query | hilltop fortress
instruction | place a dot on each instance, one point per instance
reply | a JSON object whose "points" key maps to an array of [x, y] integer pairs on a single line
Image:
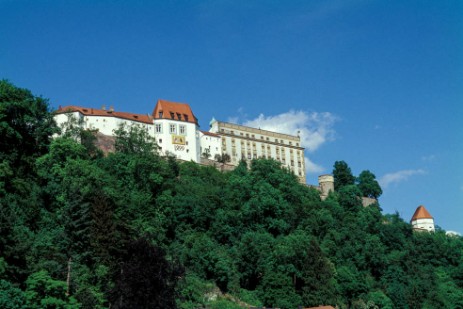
{"points": [[176, 132]]}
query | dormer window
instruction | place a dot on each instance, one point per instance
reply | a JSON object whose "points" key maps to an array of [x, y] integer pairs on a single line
{"points": [[160, 114], [172, 115], [186, 117], [179, 116]]}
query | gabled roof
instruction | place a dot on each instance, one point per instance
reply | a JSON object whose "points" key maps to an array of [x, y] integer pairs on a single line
{"points": [[105, 113], [421, 213], [210, 134], [175, 111]]}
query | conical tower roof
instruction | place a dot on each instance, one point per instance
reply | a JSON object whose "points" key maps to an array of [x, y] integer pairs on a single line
{"points": [[421, 213]]}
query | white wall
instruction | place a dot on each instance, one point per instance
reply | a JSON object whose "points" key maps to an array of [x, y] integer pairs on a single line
{"points": [[211, 143], [426, 224], [184, 145]]}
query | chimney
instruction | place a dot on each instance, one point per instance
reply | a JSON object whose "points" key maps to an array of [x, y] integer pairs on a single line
{"points": [[111, 109], [103, 107]]}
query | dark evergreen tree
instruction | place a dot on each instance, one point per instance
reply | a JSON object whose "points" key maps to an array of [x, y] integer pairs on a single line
{"points": [[146, 278], [342, 175], [318, 277], [103, 229]]}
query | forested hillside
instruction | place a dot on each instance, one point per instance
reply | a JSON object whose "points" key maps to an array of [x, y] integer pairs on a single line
{"points": [[134, 230]]}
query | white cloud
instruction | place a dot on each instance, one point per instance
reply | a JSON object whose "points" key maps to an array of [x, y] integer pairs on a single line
{"points": [[314, 128], [233, 119], [399, 176]]}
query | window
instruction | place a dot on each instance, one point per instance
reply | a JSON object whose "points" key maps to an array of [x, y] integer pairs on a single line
{"points": [[173, 129], [172, 115], [186, 117], [182, 129], [179, 116], [160, 114], [158, 128], [160, 140]]}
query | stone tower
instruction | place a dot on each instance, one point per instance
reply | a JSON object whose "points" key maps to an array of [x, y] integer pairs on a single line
{"points": [[422, 220], [326, 183]]}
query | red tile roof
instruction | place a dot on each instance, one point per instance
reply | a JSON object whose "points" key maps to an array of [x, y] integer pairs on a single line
{"points": [[172, 110], [106, 113], [210, 134], [421, 213]]}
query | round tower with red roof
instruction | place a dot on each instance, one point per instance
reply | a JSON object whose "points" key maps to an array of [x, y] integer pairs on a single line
{"points": [[422, 220]]}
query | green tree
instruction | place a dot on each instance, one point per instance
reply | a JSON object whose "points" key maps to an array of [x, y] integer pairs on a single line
{"points": [[26, 126], [350, 198], [342, 175], [134, 139], [11, 297], [368, 184], [277, 290], [45, 292], [254, 258], [222, 159]]}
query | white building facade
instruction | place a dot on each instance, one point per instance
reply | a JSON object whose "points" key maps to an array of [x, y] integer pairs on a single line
{"points": [[211, 144], [241, 142], [176, 130]]}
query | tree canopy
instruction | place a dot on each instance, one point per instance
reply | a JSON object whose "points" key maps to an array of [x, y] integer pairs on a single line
{"points": [[342, 175], [134, 230]]}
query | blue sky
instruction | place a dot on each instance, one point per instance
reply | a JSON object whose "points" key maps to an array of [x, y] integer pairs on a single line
{"points": [[378, 84]]}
